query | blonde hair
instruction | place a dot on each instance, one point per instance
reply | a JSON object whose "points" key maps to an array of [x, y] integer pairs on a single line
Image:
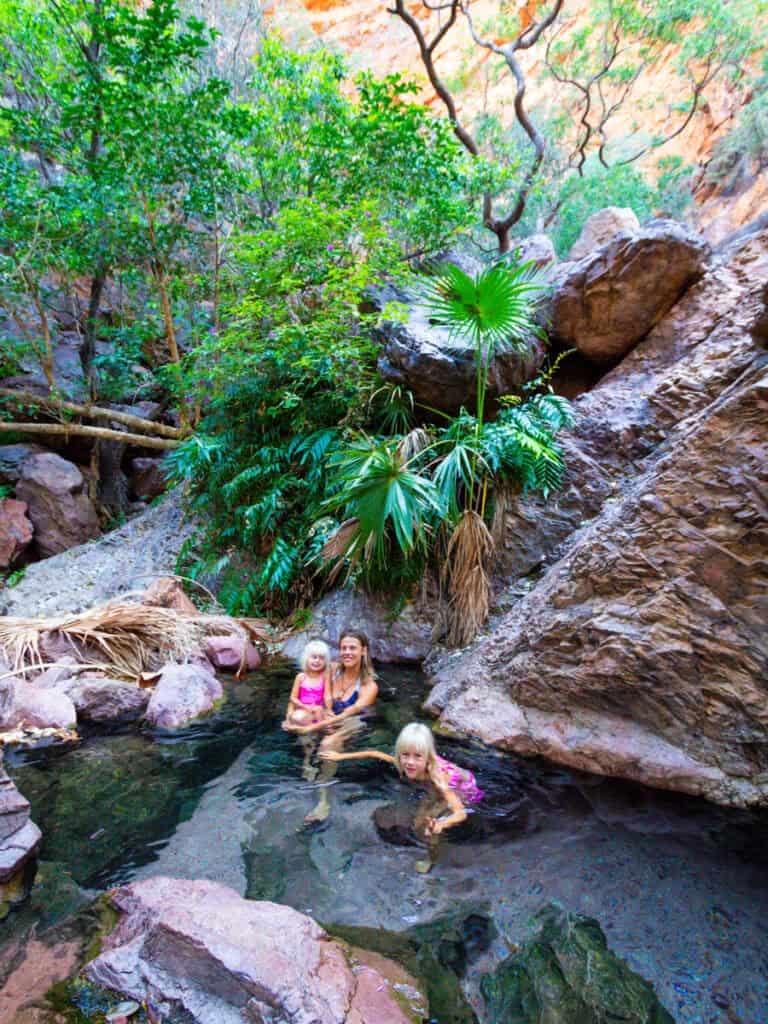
{"points": [[419, 738], [315, 647]]}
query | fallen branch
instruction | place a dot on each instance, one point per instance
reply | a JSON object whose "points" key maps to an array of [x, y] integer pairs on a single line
{"points": [[79, 430], [96, 412]]}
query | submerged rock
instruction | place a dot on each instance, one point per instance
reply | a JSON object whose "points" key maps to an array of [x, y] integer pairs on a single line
{"points": [[183, 693], [566, 974], [199, 947]]}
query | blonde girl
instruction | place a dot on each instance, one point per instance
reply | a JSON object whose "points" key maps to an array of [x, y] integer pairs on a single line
{"points": [[449, 786], [310, 700]]}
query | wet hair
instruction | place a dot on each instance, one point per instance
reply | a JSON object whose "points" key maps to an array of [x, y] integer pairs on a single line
{"points": [[366, 665], [315, 647], [419, 738]]}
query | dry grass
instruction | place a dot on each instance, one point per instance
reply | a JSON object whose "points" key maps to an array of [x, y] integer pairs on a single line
{"points": [[470, 549], [127, 638]]}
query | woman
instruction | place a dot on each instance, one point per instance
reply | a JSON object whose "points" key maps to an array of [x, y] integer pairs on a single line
{"points": [[353, 691]]}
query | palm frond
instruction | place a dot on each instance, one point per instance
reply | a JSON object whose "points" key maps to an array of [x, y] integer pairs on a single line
{"points": [[469, 552]]}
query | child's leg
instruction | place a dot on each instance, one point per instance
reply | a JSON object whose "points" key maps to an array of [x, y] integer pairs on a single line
{"points": [[301, 716], [309, 743]]}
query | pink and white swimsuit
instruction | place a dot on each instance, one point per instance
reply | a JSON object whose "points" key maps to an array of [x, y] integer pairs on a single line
{"points": [[311, 695], [461, 780]]}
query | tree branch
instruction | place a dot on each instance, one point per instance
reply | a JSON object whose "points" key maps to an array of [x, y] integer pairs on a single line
{"points": [[78, 430], [93, 412]]}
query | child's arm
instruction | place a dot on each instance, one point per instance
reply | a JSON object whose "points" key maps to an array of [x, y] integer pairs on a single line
{"points": [[334, 755], [458, 813], [293, 700]]}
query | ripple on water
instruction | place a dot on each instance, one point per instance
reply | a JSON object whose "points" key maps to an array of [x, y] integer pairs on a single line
{"points": [[678, 885]]}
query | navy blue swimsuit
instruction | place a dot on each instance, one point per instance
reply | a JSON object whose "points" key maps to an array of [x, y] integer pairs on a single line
{"points": [[342, 705]]}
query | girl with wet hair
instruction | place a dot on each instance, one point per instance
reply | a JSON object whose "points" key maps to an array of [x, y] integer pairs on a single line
{"points": [[449, 787]]}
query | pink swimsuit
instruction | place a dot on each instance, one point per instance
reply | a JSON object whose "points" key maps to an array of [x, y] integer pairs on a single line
{"points": [[461, 780], [310, 695]]}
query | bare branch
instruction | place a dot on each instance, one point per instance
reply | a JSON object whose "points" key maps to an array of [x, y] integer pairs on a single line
{"points": [[92, 412], [78, 430]]}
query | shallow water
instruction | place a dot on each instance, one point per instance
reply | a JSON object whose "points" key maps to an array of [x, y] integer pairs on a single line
{"points": [[679, 886]]}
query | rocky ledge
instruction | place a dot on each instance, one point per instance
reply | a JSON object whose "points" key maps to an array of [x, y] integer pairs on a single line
{"points": [[197, 946]]}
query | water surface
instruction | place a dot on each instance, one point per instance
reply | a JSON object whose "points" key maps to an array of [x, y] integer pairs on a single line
{"points": [[678, 885]]}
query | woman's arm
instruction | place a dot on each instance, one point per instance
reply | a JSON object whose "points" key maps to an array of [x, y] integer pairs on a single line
{"points": [[458, 813], [334, 755]]}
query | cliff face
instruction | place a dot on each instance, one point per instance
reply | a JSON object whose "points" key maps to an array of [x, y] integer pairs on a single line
{"points": [[369, 36]]}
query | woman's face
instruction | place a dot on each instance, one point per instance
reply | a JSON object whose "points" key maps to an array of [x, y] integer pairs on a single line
{"points": [[351, 652], [413, 764]]}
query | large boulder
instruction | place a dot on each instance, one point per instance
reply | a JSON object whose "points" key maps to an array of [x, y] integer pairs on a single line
{"points": [[199, 947], [439, 369], [406, 639], [68, 375], [183, 693], [15, 531], [606, 302], [643, 651], [567, 974], [601, 228], [704, 344], [536, 249], [59, 507], [39, 707], [102, 700]]}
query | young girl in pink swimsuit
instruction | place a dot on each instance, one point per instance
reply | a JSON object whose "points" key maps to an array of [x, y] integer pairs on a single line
{"points": [[310, 700], [449, 786]]}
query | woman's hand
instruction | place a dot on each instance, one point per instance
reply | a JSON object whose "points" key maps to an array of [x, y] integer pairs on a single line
{"points": [[433, 826], [330, 755]]}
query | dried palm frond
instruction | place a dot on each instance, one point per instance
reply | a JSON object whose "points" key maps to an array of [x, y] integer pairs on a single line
{"points": [[128, 638], [412, 443], [469, 551], [340, 546], [502, 502]]}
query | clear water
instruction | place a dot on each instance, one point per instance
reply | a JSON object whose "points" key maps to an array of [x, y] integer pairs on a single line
{"points": [[679, 886]]}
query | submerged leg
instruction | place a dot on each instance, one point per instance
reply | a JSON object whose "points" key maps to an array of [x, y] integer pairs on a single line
{"points": [[322, 808], [309, 770]]}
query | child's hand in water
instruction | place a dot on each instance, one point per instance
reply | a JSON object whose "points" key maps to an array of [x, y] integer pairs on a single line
{"points": [[433, 826]]}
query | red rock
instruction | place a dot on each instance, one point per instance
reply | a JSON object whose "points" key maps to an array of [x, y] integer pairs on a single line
{"points": [[15, 531], [59, 507], [601, 228], [198, 946], [41, 708], [229, 652], [183, 693]]}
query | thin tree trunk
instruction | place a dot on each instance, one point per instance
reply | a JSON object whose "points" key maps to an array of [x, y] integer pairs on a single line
{"points": [[80, 430], [93, 412]]}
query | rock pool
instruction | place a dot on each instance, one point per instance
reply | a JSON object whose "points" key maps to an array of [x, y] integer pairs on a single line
{"points": [[679, 886]]}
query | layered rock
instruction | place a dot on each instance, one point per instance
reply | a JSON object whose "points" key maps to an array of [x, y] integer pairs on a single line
{"points": [[642, 652], [705, 342], [59, 507], [183, 693], [200, 947], [440, 369], [406, 638], [19, 840], [15, 531], [606, 302]]}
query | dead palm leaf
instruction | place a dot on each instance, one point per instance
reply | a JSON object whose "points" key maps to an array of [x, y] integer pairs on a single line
{"points": [[470, 549]]}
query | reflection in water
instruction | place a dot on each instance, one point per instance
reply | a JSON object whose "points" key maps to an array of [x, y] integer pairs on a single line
{"points": [[678, 885]]}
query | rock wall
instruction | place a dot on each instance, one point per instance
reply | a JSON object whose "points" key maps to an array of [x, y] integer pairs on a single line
{"points": [[642, 651]]}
